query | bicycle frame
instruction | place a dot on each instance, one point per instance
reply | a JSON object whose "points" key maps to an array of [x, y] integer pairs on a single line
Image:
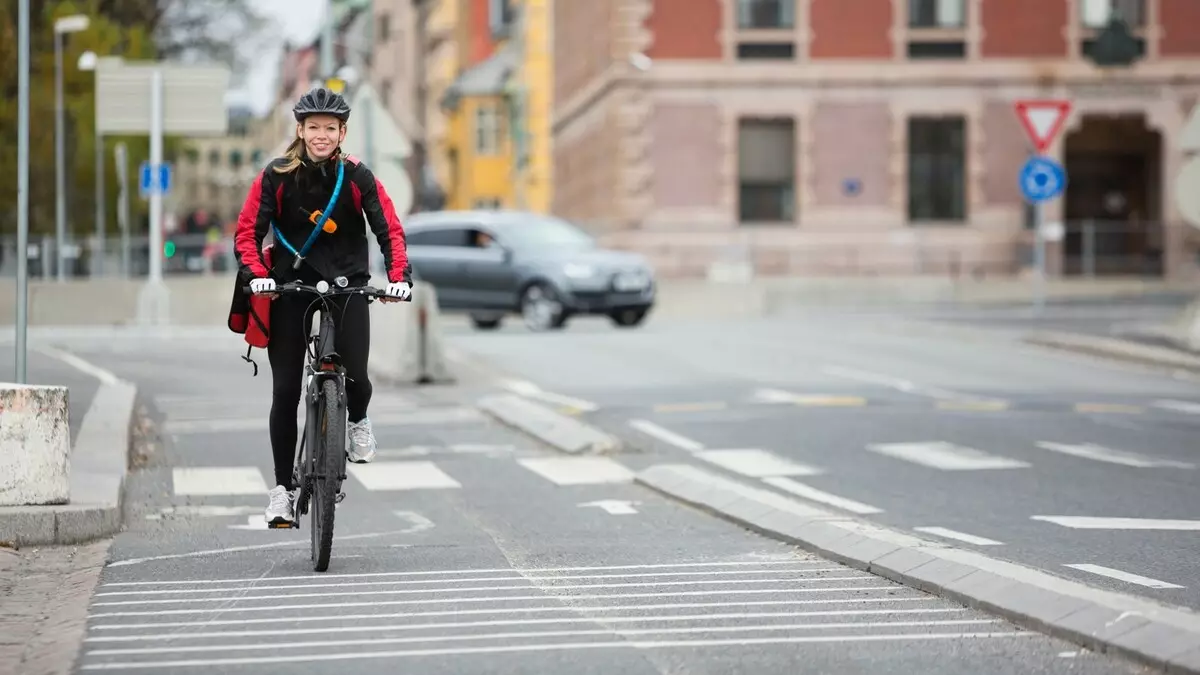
{"points": [[321, 365]]}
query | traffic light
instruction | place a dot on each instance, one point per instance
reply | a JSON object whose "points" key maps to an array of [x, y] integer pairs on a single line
{"points": [[1115, 45], [169, 249]]}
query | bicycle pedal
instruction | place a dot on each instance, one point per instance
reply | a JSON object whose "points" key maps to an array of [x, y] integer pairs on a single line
{"points": [[282, 526]]}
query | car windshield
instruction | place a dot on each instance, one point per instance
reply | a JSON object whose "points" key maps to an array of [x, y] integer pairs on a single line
{"points": [[541, 232]]}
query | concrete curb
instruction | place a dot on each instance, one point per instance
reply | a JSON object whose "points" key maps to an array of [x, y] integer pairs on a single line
{"points": [[99, 461], [1114, 348], [561, 432], [1165, 637]]}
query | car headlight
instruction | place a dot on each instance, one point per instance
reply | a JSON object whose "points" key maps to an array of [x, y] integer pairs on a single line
{"points": [[579, 271]]}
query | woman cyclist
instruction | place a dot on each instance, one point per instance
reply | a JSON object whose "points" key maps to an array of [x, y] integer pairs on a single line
{"points": [[286, 199]]}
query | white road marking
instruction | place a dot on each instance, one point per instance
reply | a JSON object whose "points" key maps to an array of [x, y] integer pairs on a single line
{"points": [[531, 390], [252, 523], [946, 456], [557, 608], [81, 365], [376, 627], [889, 381], [239, 549], [602, 632], [578, 470], [1123, 576], [813, 494], [206, 511], [493, 570], [416, 475], [524, 579], [1100, 453], [418, 522], [453, 449], [960, 536], [482, 589], [554, 646], [218, 481], [666, 435], [756, 463], [614, 507], [1178, 406], [541, 596], [1093, 523]]}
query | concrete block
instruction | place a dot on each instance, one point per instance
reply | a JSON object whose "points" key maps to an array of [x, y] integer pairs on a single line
{"points": [[35, 445]]}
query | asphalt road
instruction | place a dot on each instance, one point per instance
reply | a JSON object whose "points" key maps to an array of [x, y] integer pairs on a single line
{"points": [[468, 549], [1081, 467]]}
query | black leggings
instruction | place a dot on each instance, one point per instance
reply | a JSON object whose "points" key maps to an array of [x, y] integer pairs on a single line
{"points": [[291, 317]]}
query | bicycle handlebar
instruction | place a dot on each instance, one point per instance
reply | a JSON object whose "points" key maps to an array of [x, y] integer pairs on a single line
{"points": [[294, 287]]}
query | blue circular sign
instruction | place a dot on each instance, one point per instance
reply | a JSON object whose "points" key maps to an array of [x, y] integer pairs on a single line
{"points": [[852, 187], [1042, 179]]}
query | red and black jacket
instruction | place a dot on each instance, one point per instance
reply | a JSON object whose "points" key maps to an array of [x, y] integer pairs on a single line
{"points": [[289, 199]]}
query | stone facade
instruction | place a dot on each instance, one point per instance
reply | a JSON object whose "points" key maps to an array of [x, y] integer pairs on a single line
{"points": [[648, 156]]}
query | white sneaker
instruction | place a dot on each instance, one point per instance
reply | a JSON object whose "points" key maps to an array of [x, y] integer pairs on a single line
{"points": [[282, 507], [362, 442]]}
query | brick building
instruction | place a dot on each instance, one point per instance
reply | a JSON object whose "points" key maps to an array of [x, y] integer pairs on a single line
{"points": [[868, 136]]}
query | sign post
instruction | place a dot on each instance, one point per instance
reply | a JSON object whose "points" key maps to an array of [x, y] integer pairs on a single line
{"points": [[182, 100], [1041, 178]]}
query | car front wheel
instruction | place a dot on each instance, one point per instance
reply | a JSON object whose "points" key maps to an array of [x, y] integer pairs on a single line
{"points": [[541, 309], [629, 318]]}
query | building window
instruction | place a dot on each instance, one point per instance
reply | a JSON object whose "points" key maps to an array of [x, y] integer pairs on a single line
{"points": [[936, 14], [235, 158], [501, 14], [766, 170], [937, 29], [384, 27], [758, 14], [1097, 13], [937, 176], [486, 203], [768, 30], [214, 157], [487, 129]]}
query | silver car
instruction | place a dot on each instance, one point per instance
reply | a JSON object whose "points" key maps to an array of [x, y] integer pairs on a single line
{"points": [[494, 263]]}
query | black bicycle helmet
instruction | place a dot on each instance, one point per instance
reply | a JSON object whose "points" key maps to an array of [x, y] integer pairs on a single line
{"points": [[321, 101]]}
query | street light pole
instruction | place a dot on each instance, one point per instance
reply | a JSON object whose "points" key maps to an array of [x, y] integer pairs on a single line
{"points": [[67, 24], [22, 318]]}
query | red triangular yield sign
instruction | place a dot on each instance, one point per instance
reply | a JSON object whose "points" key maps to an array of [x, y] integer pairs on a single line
{"points": [[1043, 120]]}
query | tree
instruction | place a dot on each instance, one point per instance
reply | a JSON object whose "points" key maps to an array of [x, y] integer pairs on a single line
{"points": [[132, 29]]}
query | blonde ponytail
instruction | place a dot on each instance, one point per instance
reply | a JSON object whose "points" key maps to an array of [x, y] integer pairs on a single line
{"points": [[293, 155]]}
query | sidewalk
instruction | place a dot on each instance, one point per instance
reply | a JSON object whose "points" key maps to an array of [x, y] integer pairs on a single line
{"points": [[44, 595]]}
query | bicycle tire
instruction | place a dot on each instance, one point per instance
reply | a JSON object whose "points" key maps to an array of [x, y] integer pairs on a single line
{"points": [[328, 465]]}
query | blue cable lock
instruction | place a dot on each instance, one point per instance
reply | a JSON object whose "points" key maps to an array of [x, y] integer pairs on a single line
{"points": [[312, 237]]}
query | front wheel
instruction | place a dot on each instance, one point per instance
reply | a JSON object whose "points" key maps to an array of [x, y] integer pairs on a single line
{"points": [[329, 455], [541, 309]]}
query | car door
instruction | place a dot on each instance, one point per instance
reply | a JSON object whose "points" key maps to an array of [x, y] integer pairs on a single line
{"points": [[491, 278], [436, 254]]}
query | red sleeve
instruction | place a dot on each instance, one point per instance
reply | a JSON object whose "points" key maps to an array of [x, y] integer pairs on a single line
{"points": [[381, 215], [252, 225]]}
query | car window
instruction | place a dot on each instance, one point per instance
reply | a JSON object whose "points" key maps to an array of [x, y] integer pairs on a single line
{"points": [[541, 232], [450, 236]]}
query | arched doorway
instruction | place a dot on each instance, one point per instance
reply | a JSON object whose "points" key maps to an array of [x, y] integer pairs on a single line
{"points": [[1113, 205]]}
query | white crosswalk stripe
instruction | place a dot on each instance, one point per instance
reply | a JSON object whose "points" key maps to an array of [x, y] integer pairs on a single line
{"points": [[387, 476], [946, 456]]}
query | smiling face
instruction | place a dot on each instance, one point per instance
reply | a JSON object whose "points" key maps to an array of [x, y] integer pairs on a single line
{"points": [[322, 134]]}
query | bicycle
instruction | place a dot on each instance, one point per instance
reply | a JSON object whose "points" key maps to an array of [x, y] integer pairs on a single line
{"points": [[319, 473]]}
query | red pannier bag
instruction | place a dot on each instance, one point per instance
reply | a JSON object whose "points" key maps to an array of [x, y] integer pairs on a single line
{"points": [[250, 315]]}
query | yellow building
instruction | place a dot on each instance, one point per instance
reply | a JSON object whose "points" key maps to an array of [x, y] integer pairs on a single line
{"points": [[496, 143]]}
